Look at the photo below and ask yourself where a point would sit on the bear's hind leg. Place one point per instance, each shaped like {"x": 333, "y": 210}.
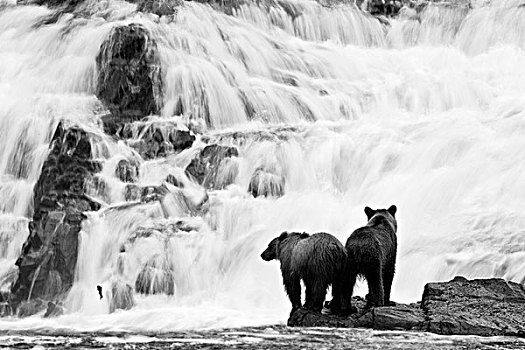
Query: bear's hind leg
{"x": 375, "y": 287}
{"x": 315, "y": 294}
{"x": 387, "y": 283}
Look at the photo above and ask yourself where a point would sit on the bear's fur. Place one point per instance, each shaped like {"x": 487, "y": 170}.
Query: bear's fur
{"x": 372, "y": 253}
{"x": 319, "y": 260}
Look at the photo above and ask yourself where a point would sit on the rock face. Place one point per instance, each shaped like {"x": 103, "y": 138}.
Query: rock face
{"x": 129, "y": 82}
{"x": 48, "y": 260}
{"x": 213, "y": 167}
{"x": 157, "y": 139}
{"x": 478, "y": 307}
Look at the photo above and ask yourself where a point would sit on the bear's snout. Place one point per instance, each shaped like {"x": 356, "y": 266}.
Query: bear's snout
{"x": 266, "y": 256}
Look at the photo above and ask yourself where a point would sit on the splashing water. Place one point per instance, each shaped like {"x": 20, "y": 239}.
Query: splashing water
{"x": 427, "y": 113}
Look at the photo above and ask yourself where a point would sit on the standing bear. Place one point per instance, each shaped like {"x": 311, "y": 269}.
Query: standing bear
{"x": 319, "y": 260}
{"x": 372, "y": 253}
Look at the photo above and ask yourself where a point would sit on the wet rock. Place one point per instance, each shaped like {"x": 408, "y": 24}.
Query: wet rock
{"x": 306, "y": 318}
{"x": 121, "y": 296}
{"x": 144, "y": 194}
{"x": 159, "y": 7}
{"x": 129, "y": 82}
{"x": 155, "y": 277}
{"x": 486, "y": 307}
{"x": 212, "y": 167}
{"x": 30, "y": 307}
{"x": 174, "y": 180}
{"x": 5, "y": 309}
{"x": 46, "y": 266}
{"x": 382, "y": 7}
{"x": 157, "y": 139}
{"x": 266, "y": 184}
{"x": 54, "y": 310}
{"x": 67, "y": 5}
{"x": 127, "y": 170}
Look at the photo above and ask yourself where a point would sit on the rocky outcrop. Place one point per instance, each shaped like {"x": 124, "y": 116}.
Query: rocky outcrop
{"x": 129, "y": 81}
{"x": 479, "y": 307}
{"x": 486, "y": 307}
{"x": 214, "y": 167}
{"x": 48, "y": 259}
{"x": 157, "y": 139}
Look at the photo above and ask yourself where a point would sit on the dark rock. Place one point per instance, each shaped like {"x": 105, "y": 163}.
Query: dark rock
{"x": 157, "y": 139}
{"x": 486, "y": 307}
{"x": 211, "y": 168}
{"x": 306, "y": 318}
{"x": 478, "y": 307}
{"x": 155, "y": 277}
{"x": 67, "y": 5}
{"x": 5, "y": 309}
{"x": 144, "y": 194}
{"x": 129, "y": 82}
{"x": 46, "y": 266}
{"x": 127, "y": 170}
{"x": 121, "y": 296}
{"x": 172, "y": 179}
{"x": 266, "y": 183}
{"x": 54, "y": 310}
{"x": 30, "y": 307}
{"x": 384, "y": 7}
{"x": 159, "y": 7}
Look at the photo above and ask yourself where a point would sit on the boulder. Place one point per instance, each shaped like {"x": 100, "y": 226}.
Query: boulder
{"x": 266, "y": 184}
{"x": 155, "y": 277}
{"x": 121, "y": 296}
{"x": 127, "y": 170}
{"x": 144, "y": 194}
{"x": 477, "y": 307}
{"x": 486, "y": 307}
{"x": 159, "y": 7}
{"x": 129, "y": 79}
{"x": 213, "y": 167}
{"x": 157, "y": 139}
{"x": 46, "y": 266}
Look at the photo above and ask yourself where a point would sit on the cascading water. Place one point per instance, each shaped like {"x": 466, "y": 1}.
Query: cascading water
{"x": 426, "y": 113}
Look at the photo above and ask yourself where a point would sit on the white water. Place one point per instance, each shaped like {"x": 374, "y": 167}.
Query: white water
{"x": 428, "y": 116}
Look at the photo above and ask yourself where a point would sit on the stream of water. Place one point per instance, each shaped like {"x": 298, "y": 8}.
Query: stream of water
{"x": 427, "y": 113}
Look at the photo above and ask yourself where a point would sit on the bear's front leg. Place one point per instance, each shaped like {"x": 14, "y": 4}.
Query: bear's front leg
{"x": 315, "y": 294}
{"x": 292, "y": 284}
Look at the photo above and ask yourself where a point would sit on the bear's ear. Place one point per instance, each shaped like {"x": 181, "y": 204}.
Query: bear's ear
{"x": 283, "y": 236}
{"x": 392, "y": 210}
{"x": 304, "y": 235}
{"x": 369, "y": 212}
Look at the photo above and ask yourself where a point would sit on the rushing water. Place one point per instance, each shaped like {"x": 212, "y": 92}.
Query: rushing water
{"x": 427, "y": 113}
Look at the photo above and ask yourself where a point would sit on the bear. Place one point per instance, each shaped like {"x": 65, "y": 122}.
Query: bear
{"x": 371, "y": 252}
{"x": 319, "y": 260}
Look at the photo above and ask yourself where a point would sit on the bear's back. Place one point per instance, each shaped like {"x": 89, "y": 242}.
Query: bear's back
{"x": 318, "y": 254}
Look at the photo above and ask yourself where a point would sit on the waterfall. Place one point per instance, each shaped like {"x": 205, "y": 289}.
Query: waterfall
{"x": 426, "y": 112}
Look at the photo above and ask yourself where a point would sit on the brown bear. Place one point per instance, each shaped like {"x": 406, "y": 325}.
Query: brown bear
{"x": 372, "y": 253}
{"x": 319, "y": 260}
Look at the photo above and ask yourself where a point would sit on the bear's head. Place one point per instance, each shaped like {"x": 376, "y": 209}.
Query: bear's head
{"x": 388, "y": 214}
{"x": 272, "y": 252}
